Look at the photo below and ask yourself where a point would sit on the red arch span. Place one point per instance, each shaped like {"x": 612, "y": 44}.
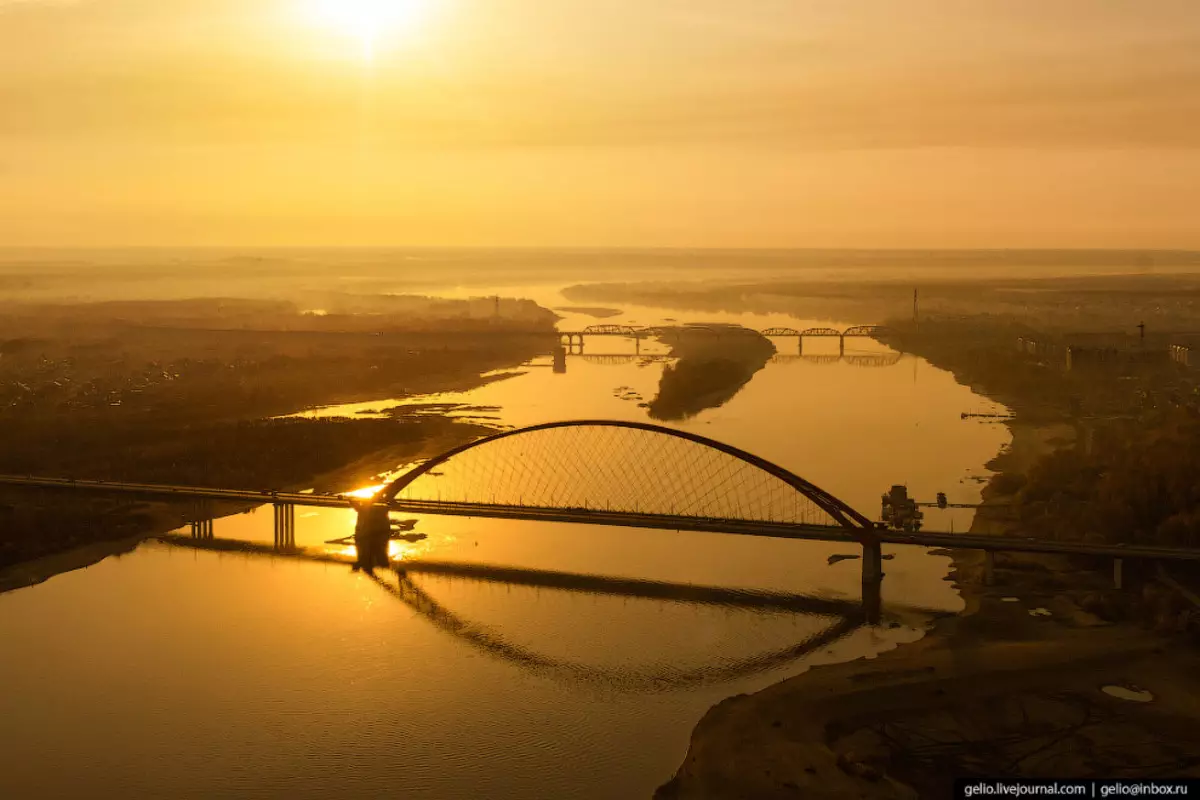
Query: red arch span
{"x": 840, "y": 511}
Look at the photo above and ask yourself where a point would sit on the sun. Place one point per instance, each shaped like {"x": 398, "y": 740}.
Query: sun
{"x": 369, "y": 22}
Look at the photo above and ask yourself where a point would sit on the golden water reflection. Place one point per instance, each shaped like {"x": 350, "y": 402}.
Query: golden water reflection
{"x": 313, "y": 681}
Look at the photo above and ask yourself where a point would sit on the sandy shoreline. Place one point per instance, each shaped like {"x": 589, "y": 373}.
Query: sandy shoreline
{"x": 993, "y": 689}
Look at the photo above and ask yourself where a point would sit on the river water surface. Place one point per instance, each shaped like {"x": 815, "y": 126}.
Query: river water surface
{"x": 177, "y": 673}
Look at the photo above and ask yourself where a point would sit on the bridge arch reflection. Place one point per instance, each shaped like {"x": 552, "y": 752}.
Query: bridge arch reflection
{"x": 842, "y": 617}
{"x": 657, "y": 679}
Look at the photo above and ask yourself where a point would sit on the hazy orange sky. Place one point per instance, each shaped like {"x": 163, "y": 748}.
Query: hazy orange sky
{"x": 875, "y": 123}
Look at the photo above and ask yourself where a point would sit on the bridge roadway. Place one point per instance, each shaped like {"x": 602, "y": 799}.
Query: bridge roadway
{"x": 777, "y": 530}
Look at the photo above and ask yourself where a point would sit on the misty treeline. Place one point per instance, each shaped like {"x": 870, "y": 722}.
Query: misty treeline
{"x": 254, "y": 454}
{"x": 1137, "y": 485}
{"x": 182, "y": 403}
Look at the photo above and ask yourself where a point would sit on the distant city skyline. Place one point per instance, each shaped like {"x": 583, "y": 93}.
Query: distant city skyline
{"x": 1007, "y": 124}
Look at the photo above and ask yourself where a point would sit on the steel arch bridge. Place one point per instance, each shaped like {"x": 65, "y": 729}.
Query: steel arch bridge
{"x": 784, "y": 332}
{"x": 856, "y": 330}
{"x": 853, "y": 360}
{"x": 637, "y": 332}
{"x": 868, "y": 330}
{"x": 613, "y": 330}
{"x": 632, "y": 473}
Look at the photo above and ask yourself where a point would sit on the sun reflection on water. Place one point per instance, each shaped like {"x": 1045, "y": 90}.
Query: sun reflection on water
{"x": 366, "y": 492}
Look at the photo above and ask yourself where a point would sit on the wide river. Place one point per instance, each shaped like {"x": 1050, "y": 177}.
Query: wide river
{"x": 178, "y": 673}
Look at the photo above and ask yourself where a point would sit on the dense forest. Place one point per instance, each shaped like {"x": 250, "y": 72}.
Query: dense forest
{"x": 1132, "y": 476}
{"x": 1138, "y": 484}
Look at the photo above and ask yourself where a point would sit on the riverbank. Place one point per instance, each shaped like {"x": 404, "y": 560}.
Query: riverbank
{"x": 992, "y": 692}
{"x": 189, "y": 392}
{"x": 435, "y": 435}
{"x": 1011, "y": 686}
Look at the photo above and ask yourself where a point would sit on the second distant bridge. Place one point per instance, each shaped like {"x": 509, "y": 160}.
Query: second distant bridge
{"x": 574, "y": 340}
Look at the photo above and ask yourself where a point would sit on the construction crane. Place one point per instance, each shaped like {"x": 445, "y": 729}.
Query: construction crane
{"x": 900, "y": 512}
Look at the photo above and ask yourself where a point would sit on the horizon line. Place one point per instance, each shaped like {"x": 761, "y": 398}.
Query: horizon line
{"x": 613, "y": 248}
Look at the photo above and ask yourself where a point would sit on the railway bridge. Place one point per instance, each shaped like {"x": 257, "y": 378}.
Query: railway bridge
{"x": 573, "y": 341}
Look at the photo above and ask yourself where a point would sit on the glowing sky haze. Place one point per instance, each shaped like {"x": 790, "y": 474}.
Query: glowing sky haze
{"x": 998, "y": 123}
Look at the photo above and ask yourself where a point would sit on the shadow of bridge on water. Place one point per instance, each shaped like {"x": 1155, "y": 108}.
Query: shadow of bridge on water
{"x": 843, "y": 616}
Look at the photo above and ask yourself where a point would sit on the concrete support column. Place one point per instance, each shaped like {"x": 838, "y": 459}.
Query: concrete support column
{"x": 1118, "y": 573}
{"x": 202, "y": 519}
{"x": 841, "y": 345}
{"x": 872, "y": 581}
{"x": 285, "y": 526}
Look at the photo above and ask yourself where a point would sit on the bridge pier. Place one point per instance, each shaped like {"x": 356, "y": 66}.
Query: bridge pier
{"x": 202, "y": 519}
{"x": 573, "y": 342}
{"x": 285, "y": 526}
{"x": 1118, "y": 573}
{"x": 872, "y": 581}
{"x": 372, "y": 535}
{"x": 842, "y": 345}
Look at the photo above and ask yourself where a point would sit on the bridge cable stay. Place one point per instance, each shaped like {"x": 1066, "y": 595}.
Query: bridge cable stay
{"x": 626, "y": 467}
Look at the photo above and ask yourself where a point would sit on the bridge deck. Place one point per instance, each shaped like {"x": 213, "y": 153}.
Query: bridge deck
{"x": 778, "y": 530}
